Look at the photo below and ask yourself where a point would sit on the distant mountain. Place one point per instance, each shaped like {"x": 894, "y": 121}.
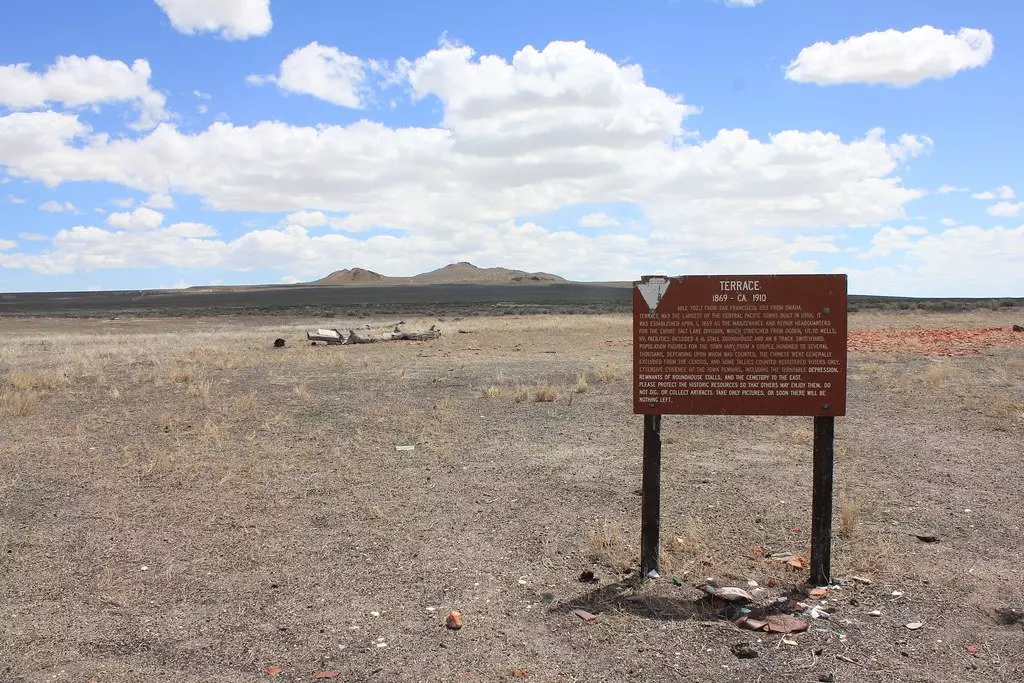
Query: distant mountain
{"x": 466, "y": 272}
{"x": 353, "y": 276}
{"x": 454, "y": 273}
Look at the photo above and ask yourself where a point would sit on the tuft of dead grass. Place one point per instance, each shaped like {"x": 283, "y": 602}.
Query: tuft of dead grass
{"x": 581, "y": 384}
{"x": 211, "y": 431}
{"x": 246, "y": 404}
{"x": 937, "y": 375}
{"x": 606, "y": 545}
{"x": 493, "y": 392}
{"x": 201, "y": 390}
{"x": 302, "y": 393}
{"x": 19, "y": 403}
{"x": 607, "y": 372}
{"x": 1002, "y": 407}
{"x": 849, "y": 514}
{"x": 544, "y": 393}
{"x": 36, "y": 379}
{"x": 522, "y": 394}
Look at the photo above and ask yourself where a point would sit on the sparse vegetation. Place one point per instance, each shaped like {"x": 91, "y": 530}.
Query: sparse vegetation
{"x": 493, "y": 392}
{"x": 581, "y": 384}
{"x": 849, "y": 514}
{"x": 19, "y": 403}
{"x": 607, "y": 545}
{"x": 607, "y": 372}
{"x": 544, "y": 393}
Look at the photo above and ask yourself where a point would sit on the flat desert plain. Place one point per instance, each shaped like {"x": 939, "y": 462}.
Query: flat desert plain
{"x": 179, "y": 501}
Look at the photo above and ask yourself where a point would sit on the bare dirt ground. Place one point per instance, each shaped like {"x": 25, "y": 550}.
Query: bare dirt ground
{"x": 181, "y": 502}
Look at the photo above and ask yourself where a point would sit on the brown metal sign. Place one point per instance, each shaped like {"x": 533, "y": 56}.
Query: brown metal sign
{"x": 740, "y": 345}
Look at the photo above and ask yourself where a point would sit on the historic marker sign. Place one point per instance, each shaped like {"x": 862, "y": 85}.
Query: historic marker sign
{"x": 740, "y": 345}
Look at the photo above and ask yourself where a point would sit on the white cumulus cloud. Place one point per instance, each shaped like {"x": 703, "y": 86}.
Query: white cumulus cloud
{"x": 949, "y": 189}
{"x": 307, "y": 219}
{"x": 1001, "y": 192}
{"x": 546, "y": 130}
{"x": 7, "y": 244}
{"x": 56, "y": 207}
{"x": 898, "y": 58}
{"x": 1006, "y": 209}
{"x": 159, "y": 201}
{"x": 888, "y": 239}
{"x": 324, "y": 72}
{"x": 141, "y": 218}
{"x": 598, "y": 220}
{"x": 77, "y": 81}
{"x": 233, "y": 19}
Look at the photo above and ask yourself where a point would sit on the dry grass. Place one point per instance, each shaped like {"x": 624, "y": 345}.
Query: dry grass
{"x": 581, "y": 384}
{"x": 522, "y": 394}
{"x": 246, "y": 404}
{"x": 37, "y": 379}
{"x": 493, "y": 392}
{"x": 302, "y": 393}
{"x": 607, "y": 545}
{"x": 607, "y": 372}
{"x": 19, "y": 403}
{"x": 177, "y": 374}
{"x": 938, "y": 375}
{"x": 849, "y": 514}
{"x": 1002, "y": 407}
{"x": 876, "y": 557}
{"x": 201, "y": 390}
{"x": 544, "y": 393}
{"x": 211, "y": 431}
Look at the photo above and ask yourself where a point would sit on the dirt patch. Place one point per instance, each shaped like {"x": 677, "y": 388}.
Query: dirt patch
{"x": 941, "y": 341}
{"x": 185, "y": 502}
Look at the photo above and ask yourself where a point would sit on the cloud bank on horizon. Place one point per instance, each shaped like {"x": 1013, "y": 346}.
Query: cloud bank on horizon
{"x": 887, "y": 154}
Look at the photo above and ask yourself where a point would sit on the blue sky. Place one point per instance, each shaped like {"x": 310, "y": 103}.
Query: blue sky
{"x": 263, "y": 141}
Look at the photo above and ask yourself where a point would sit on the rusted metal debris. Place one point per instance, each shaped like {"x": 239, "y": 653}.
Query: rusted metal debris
{"x": 334, "y": 336}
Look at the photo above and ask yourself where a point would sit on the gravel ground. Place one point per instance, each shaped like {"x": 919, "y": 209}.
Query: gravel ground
{"x": 179, "y": 501}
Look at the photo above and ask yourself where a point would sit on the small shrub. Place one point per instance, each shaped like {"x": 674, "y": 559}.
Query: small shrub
{"x": 246, "y": 404}
{"x": 581, "y": 384}
{"x": 545, "y": 394}
{"x": 607, "y": 545}
{"x": 849, "y": 513}
{"x": 522, "y": 394}
{"x": 19, "y": 403}
{"x": 302, "y": 393}
{"x": 493, "y": 392}
{"x": 36, "y": 379}
{"x": 606, "y": 372}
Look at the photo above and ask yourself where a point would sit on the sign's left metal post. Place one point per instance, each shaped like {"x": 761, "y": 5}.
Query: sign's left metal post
{"x": 650, "y": 514}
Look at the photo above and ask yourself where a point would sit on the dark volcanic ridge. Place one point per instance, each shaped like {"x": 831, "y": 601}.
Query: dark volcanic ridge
{"x": 452, "y": 274}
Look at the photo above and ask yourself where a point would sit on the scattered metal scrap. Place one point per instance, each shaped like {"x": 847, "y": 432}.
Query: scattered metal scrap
{"x": 334, "y": 336}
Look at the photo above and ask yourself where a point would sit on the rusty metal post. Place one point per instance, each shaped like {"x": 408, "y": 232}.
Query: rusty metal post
{"x": 821, "y": 501}
{"x": 650, "y": 519}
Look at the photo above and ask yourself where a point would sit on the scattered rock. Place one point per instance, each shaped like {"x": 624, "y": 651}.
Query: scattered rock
{"x": 588, "y": 577}
{"x": 744, "y": 650}
{"x": 273, "y": 671}
{"x": 875, "y": 613}
{"x": 914, "y": 625}
{"x": 972, "y": 649}
{"x": 733, "y": 594}
{"x": 585, "y": 615}
{"x": 1010, "y": 615}
{"x": 751, "y": 624}
{"x": 827, "y": 678}
{"x": 818, "y": 593}
{"x": 519, "y": 673}
{"x": 454, "y": 620}
{"x": 1017, "y": 328}
{"x": 797, "y": 562}
{"x": 278, "y": 343}
{"x": 927, "y": 537}
{"x": 784, "y": 623}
